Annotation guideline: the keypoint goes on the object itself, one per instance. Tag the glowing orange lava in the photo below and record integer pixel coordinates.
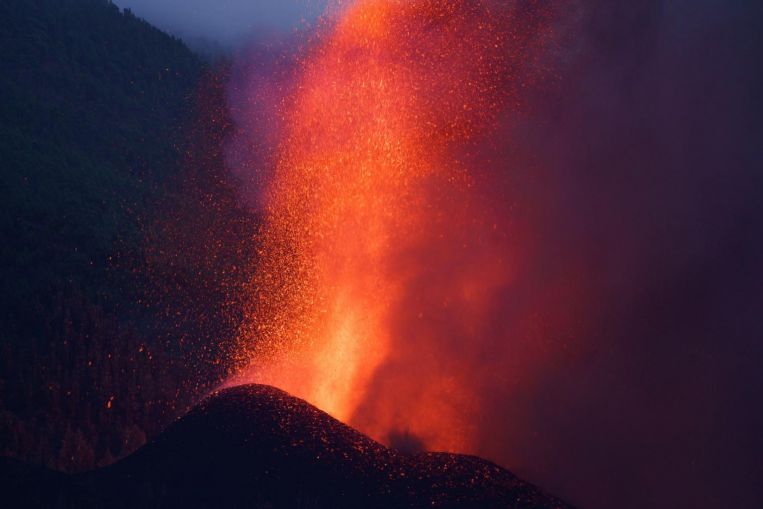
(378, 243)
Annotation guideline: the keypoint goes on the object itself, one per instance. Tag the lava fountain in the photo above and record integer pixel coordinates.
(381, 239)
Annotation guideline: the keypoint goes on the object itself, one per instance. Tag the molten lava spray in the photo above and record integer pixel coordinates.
(382, 247)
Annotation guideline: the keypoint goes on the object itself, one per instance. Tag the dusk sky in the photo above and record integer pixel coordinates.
(224, 21)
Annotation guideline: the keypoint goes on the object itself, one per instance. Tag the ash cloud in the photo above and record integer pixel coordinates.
(640, 191)
(622, 366)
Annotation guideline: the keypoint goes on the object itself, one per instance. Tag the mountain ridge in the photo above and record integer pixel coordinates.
(257, 446)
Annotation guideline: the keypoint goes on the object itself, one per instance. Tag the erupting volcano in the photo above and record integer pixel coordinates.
(382, 239)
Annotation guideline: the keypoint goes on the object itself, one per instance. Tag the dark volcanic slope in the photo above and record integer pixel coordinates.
(257, 446)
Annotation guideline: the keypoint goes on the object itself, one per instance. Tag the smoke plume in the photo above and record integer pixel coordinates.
(562, 274)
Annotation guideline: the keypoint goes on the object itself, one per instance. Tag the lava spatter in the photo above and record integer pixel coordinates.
(377, 242)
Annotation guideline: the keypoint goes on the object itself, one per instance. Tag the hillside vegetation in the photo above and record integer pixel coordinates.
(118, 231)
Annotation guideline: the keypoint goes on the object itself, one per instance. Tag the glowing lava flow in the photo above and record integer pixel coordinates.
(377, 242)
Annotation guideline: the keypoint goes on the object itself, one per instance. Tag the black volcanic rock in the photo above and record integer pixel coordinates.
(257, 446)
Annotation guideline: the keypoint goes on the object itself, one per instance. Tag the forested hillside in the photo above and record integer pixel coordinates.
(119, 233)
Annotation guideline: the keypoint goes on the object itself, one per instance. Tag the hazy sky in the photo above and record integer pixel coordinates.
(223, 21)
